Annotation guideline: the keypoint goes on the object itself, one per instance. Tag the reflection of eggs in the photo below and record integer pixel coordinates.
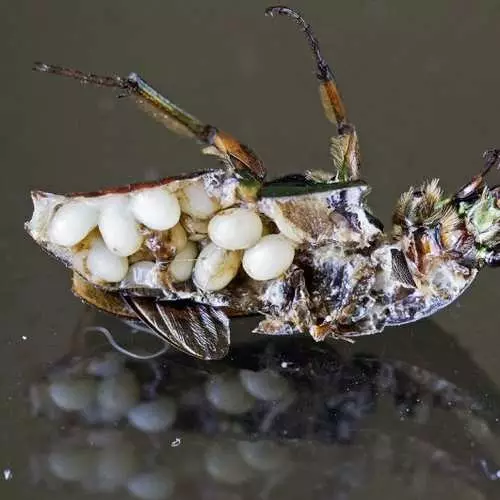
(115, 464)
(224, 463)
(263, 455)
(228, 395)
(117, 395)
(265, 384)
(153, 416)
(73, 394)
(156, 485)
(71, 464)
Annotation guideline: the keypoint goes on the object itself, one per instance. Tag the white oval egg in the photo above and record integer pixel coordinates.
(153, 416)
(215, 267)
(235, 228)
(105, 265)
(156, 208)
(196, 202)
(269, 258)
(182, 265)
(118, 227)
(72, 394)
(72, 222)
(178, 237)
(140, 274)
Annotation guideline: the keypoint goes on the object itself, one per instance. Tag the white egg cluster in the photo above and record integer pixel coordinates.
(110, 232)
(118, 217)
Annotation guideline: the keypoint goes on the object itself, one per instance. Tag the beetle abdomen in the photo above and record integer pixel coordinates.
(138, 238)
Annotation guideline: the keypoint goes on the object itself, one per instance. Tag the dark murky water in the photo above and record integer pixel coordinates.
(413, 412)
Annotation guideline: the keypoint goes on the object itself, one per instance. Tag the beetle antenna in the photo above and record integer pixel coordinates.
(99, 80)
(331, 99)
(323, 70)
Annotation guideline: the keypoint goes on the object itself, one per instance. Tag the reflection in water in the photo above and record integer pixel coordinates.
(282, 418)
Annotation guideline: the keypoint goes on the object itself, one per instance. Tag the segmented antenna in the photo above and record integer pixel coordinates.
(102, 81)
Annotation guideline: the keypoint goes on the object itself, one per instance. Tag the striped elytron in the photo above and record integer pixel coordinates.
(184, 254)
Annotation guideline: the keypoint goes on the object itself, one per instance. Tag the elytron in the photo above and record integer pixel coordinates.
(184, 254)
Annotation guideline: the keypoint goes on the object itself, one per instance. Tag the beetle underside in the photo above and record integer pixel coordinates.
(183, 254)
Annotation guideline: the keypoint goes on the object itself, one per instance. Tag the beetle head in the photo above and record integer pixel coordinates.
(479, 205)
(482, 221)
(464, 227)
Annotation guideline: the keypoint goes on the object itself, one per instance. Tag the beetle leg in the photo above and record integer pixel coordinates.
(324, 331)
(275, 326)
(238, 157)
(344, 147)
(491, 159)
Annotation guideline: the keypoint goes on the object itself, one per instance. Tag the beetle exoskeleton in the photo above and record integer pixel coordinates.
(183, 254)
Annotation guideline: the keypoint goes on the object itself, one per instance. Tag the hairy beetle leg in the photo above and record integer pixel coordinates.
(344, 148)
(322, 332)
(235, 155)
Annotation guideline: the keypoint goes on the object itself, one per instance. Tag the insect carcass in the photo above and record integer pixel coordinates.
(184, 254)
